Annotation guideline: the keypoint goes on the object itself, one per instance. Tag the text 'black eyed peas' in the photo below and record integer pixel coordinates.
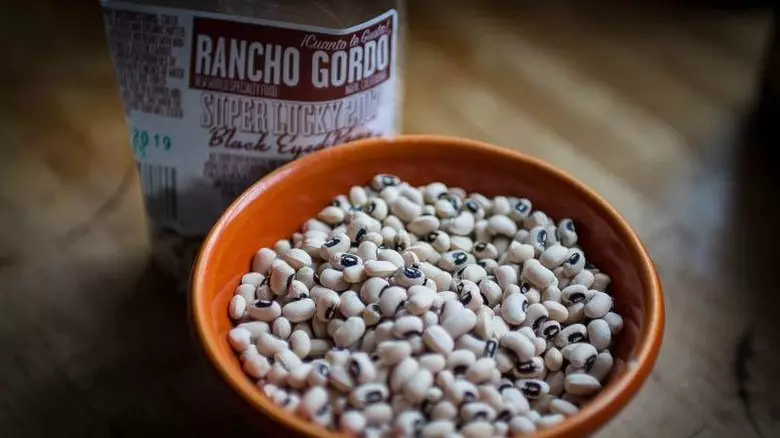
(426, 311)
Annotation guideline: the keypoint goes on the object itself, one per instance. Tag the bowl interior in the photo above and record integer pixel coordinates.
(275, 208)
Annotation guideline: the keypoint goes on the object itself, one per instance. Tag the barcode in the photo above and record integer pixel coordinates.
(158, 185)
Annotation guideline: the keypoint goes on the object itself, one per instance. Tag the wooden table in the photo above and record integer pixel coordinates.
(643, 104)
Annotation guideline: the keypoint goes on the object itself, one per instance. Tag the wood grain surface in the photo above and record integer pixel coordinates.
(645, 103)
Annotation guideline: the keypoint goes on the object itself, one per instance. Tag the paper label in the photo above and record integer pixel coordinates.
(214, 101)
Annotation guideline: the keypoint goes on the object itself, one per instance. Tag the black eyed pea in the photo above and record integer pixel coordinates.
(380, 268)
(372, 288)
(602, 366)
(505, 276)
(451, 261)
(327, 305)
(378, 414)
(536, 314)
(388, 237)
(354, 275)
(461, 225)
(501, 206)
(402, 372)
(450, 307)
(439, 241)
(538, 238)
(469, 295)
(409, 276)
(391, 300)
(350, 304)
(482, 232)
(438, 429)
(532, 369)
(477, 411)
(393, 222)
(505, 360)
(318, 347)
(281, 327)
(339, 243)
(402, 241)
(585, 278)
(332, 279)
(446, 207)
(548, 330)
(374, 237)
(340, 378)
(549, 421)
(519, 252)
(502, 225)
(408, 423)
(306, 276)
(574, 294)
(460, 323)
(553, 359)
(256, 366)
(263, 260)
(555, 310)
(556, 380)
(598, 305)
(614, 321)
(536, 274)
(415, 388)
(462, 391)
(521, 209)
(521, 426)
(300, 343)
(423, 225)
(240, 338)
(282, 275)
(350, 332)
(519, 344)
(367, 250)
(572, 334)
(281, 246)
(554, 256)
(515, 398)
(392, 256)
(352, 423)
(472, 343)
(383, 180)
(489, 265)
(362, 368)
(581, 384)
(297, 258)
(575, 262)
(472, 272)
(444, 411)
(368, 343)
(485, 250)
(475, 208)
(540, 345)
(433, 191)
(343, 260)
(314, 403)
(263, 292)
(237, 308)
(263, 310)
(500, 326)
(407, 326)
(563, 407)
(567, 232)
(417, 344)
(298, 376)
(599, 334)
(333, 214)
(484, 327)
(377, 208)
(459, 361)
(392, 352)
(278, 375)
(481, 370)
(384, 331)
(410, 259)
(533, 296)
(491, 291)
(368, 394)
(299, 310)
(252, 278)
(357, 195)
(532, 388)
(513, 308)
(432, 362)
(338, 356)
(536, 219)
(420, 300)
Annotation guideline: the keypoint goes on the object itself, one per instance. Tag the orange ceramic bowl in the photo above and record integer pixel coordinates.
(276, 206)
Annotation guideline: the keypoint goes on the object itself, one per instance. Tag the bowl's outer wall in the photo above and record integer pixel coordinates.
(275, 208)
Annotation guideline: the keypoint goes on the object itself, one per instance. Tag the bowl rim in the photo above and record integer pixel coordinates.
(594, 415)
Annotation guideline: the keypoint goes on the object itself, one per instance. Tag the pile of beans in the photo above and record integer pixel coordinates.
(426, 311)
